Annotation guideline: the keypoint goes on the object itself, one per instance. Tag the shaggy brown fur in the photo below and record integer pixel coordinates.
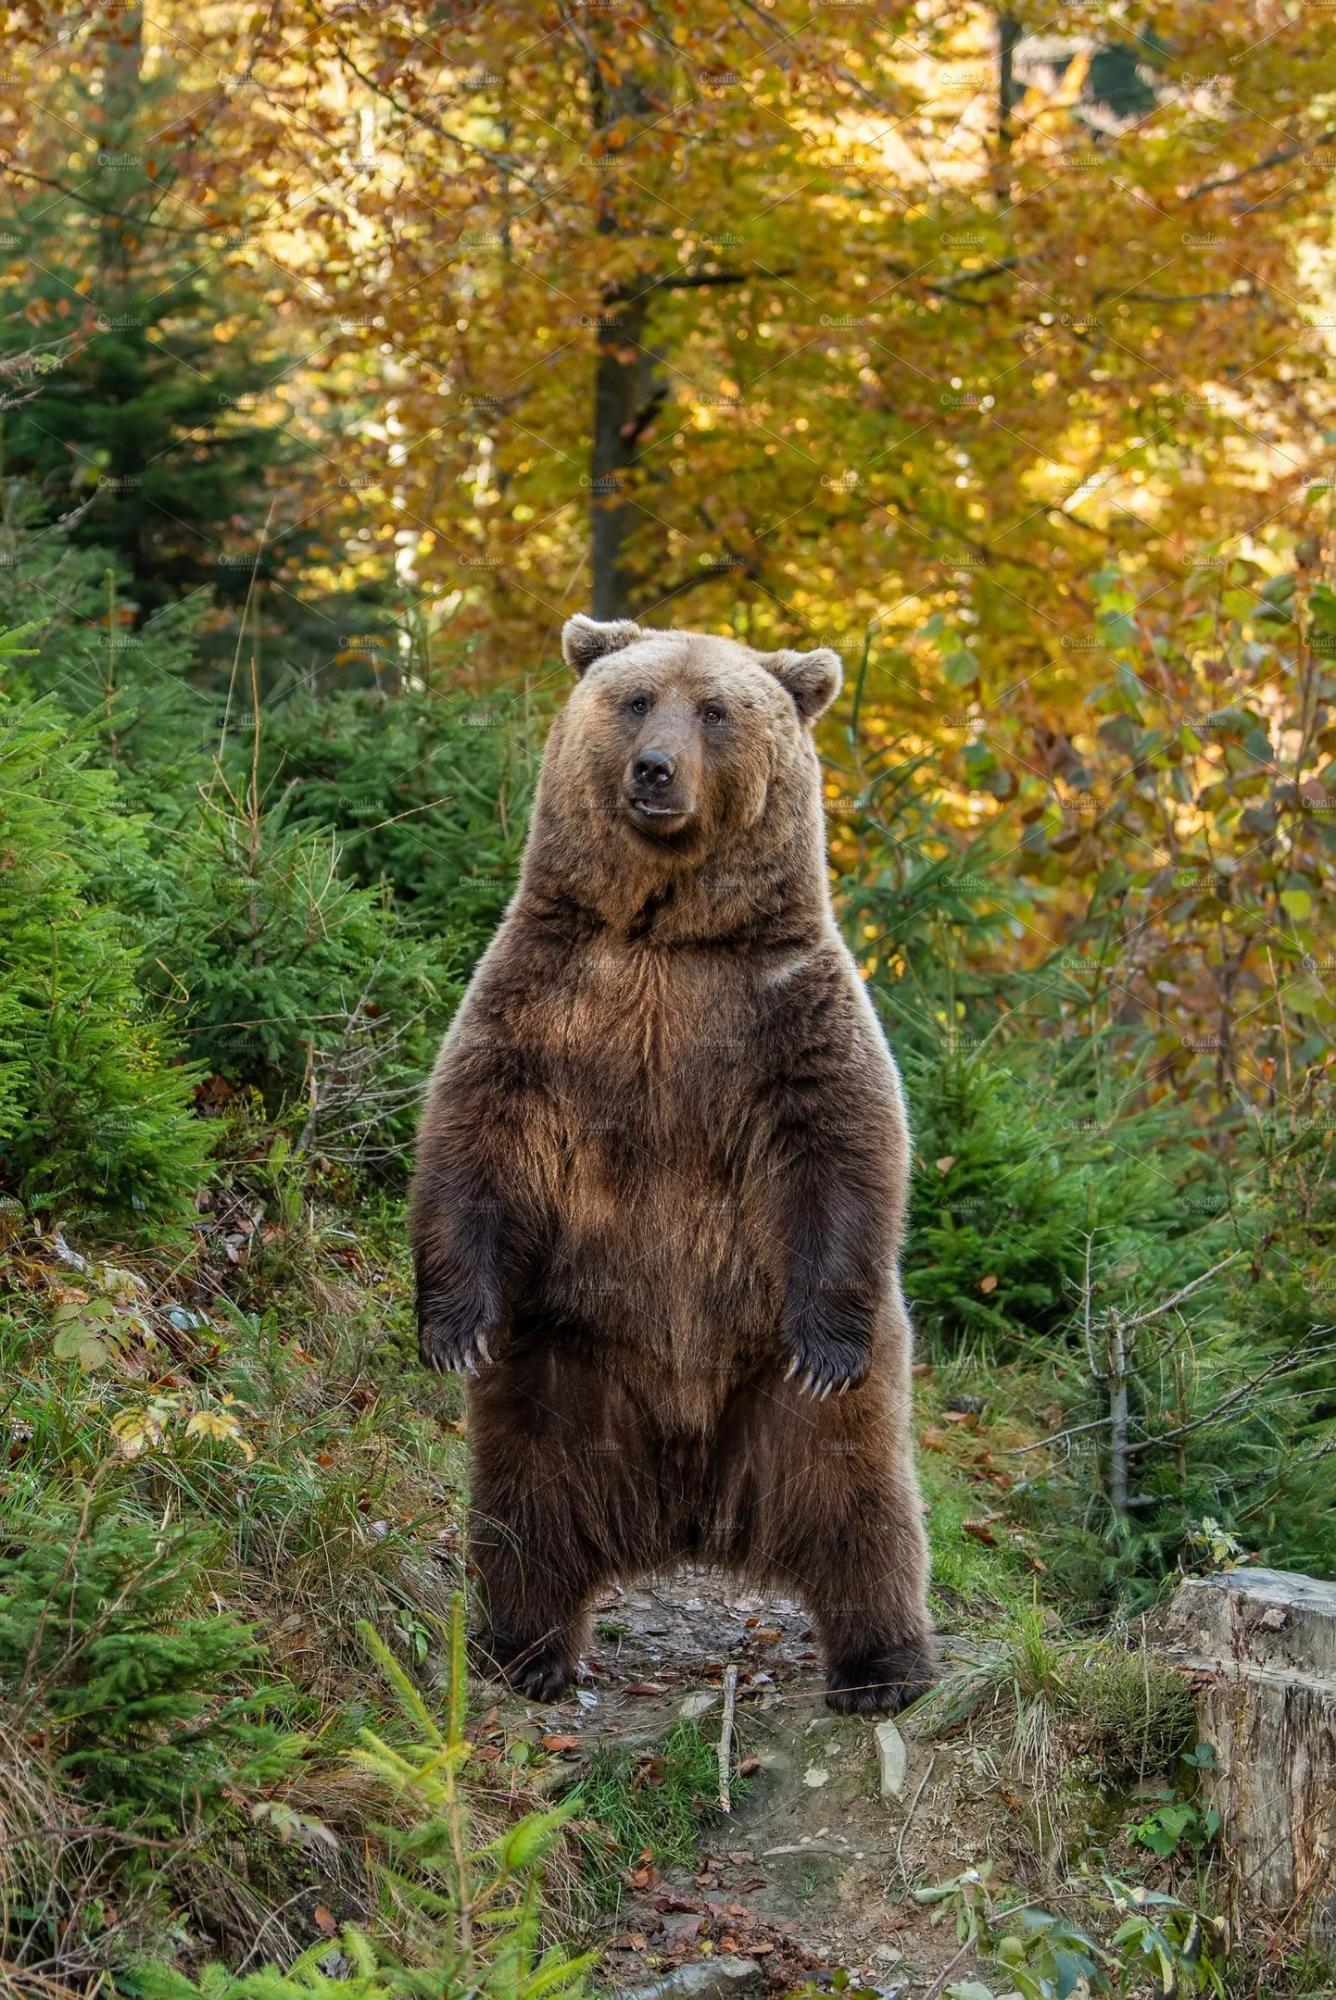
(661, 1184)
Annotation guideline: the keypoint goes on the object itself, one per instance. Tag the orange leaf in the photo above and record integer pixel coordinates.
(560, 1745)
(988, 1284)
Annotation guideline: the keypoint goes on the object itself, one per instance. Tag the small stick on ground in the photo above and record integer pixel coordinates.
(939, 1983)
(726, 1739)
(908, 1819)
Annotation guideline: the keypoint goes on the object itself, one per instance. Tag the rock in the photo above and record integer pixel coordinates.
(1264, 1643)
(710, 1979)
(816, 1775)
(892, 1760)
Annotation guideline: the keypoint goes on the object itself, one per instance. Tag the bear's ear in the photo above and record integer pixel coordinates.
(813, 679)
(584, 640)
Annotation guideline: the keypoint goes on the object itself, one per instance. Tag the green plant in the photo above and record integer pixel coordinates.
(453, 1917)
(284, 975)
(95, 1109)
(1045, 1955)
(143, 1703)
(429, 794)
(1179, 1823)
(1004, 1194)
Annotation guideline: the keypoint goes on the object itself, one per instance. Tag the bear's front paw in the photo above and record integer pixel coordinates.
(447, 1347)
(818, 1367)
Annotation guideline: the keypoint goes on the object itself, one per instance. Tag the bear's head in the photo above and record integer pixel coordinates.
(682, 758)
(681, 738)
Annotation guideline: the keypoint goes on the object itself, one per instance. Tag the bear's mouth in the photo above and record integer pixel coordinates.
(655, 815)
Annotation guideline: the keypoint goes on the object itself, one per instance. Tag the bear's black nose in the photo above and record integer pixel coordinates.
(654, 767)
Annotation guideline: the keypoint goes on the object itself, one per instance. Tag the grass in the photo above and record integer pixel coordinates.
(965, 1472)
(638, 1806)
(1055, 1699)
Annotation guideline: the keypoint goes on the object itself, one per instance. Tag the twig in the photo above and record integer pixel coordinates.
(1176, 1298)
(939, 1983)
(909, 1817)
(726, 1739)
(1276, 159)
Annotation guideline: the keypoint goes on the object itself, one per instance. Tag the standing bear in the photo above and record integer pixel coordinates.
(661, 1185)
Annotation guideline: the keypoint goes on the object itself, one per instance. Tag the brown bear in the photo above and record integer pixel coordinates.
(661, 1184)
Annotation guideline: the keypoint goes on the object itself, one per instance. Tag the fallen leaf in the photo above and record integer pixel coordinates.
(945, 1164)
(628, 1941)
(326, 1920)
(981, 1532)
(748, 1769)
(560, 1745)
(647, 1687)
(988, 1284)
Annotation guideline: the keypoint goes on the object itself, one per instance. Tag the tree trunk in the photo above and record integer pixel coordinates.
(121, 172)
(625, 396)
(1264, 1642)
(1008, 35)
(621, 394)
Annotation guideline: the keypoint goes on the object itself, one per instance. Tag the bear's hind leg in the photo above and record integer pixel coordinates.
(560, 1506)
(837, 1521)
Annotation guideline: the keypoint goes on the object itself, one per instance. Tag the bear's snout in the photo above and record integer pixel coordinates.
(657, 788)
(653, 769)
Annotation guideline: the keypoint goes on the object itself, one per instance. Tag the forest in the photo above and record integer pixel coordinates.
(348, 348)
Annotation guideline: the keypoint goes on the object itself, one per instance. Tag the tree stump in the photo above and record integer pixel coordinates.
(1262, 1645)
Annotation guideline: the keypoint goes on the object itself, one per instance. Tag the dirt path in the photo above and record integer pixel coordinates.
(811, 1873)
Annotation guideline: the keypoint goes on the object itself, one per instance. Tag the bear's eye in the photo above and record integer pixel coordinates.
(639, 704)
(713, 714)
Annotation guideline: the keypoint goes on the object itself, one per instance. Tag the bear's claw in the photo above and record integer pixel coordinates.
(541, 1671)
(818, 1380)
(451, 1354)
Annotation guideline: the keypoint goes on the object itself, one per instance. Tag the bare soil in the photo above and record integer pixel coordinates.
(812, 1871)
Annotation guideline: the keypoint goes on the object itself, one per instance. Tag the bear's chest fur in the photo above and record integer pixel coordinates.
(649, 1076)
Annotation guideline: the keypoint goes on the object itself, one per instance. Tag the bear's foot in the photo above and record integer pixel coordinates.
(881, 1682)
(542, 1670)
